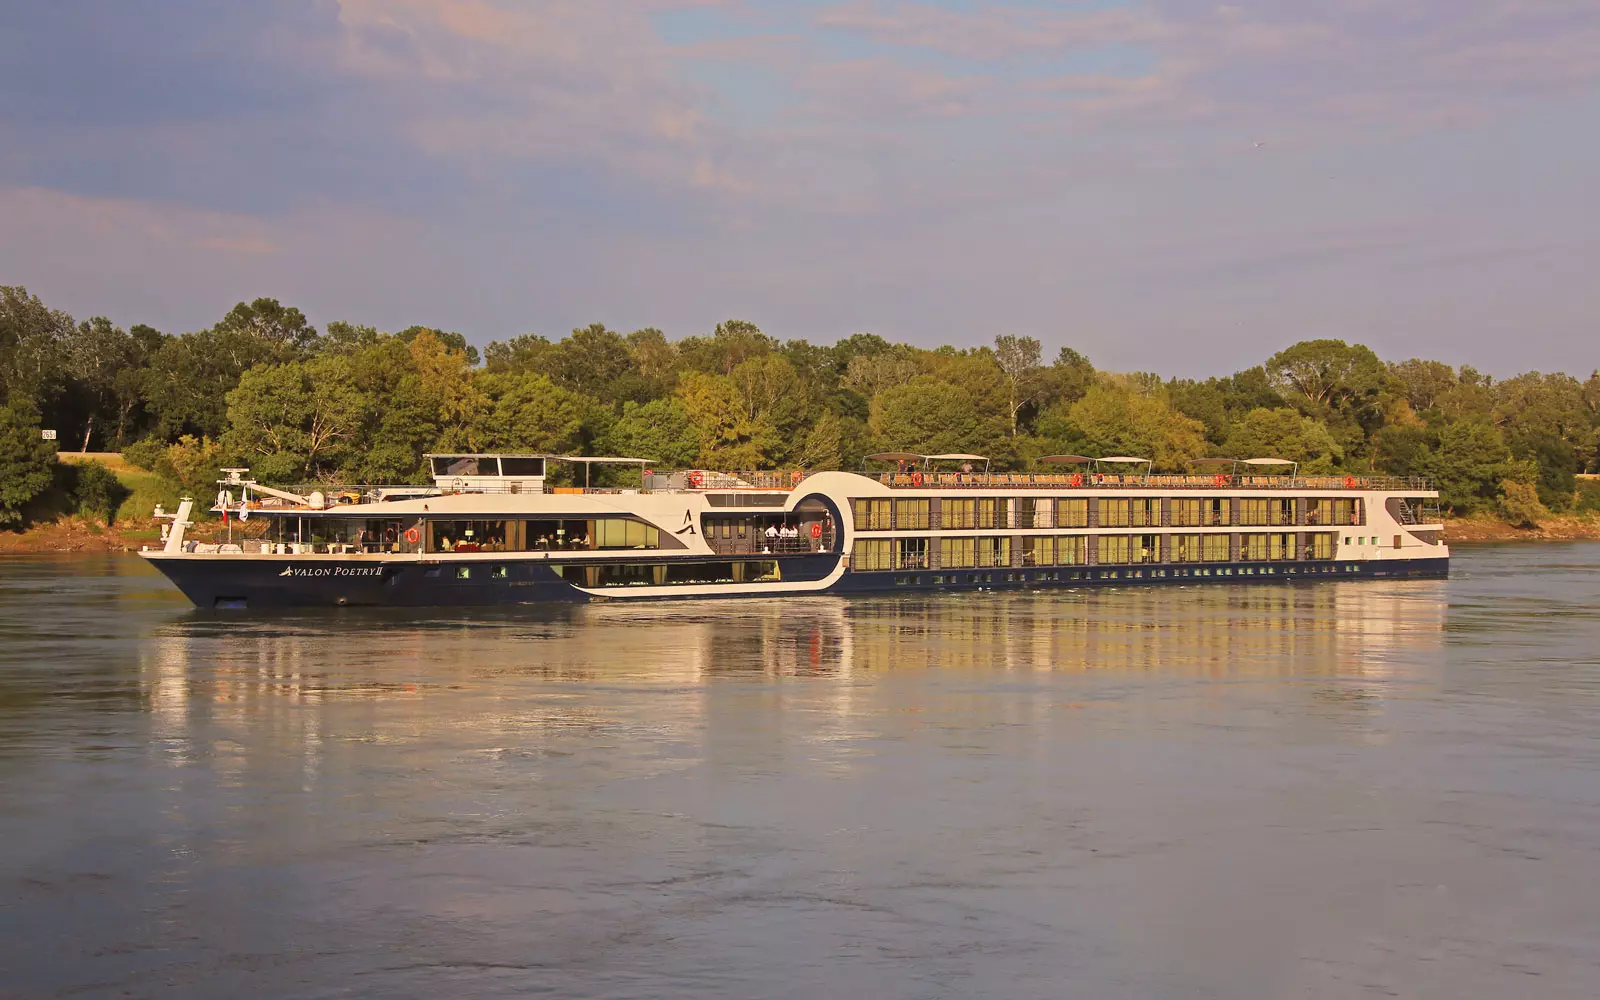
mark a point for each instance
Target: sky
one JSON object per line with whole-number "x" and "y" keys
{"x": 1168, "y": 185}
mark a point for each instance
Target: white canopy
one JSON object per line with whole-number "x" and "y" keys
{"x": 960, "y": 458}
{"x": 1266, "y": 461}
{"x": 1125, "y": 459}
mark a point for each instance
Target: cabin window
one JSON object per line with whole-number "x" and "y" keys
{"x": 1322, "y": 545}
{"x": 1145, "y": 549}
{"x": 873, "y": 515}
{"x": 1186, "y": 548}
{"x": 556, "y": 536}
{"x": 1332, "y": 512}
{"x": 994, "y": 552}
{"x": 958, "y": 513}
{"x": 870, "y": 554}
{"x": 1072, "y": 512}
{"x": 911, "y": 553}
{"x": 1114, "y": 548}
{"x": 991, "y": 514}
{"x": 1256, "y": 512}
{"x": 1038, "y": 551}
{"x": 911, "y": 515}
{"x": 1072, "y": 550}
{"x": 1030, "y": 513}
{"x": 958, "y": 553}
{"x": 1144, "y": 513}
{"x": 1114, "y": 514}
{"x": 1215, "y": 548}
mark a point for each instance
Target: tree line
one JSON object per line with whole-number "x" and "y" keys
{"x": 264, "y": 388}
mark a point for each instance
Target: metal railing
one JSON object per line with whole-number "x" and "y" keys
{"x": 1010, "y": 480}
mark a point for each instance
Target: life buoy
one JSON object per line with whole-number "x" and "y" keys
{"x": 1099, "y": 477}
{"x": 1077, "y": 479}
{"x": 916, "y": 479}
{"x": 412, "y": 534}
{"x": 816, "y": 530}
{"x": 1349, "y": 482}
{"x": 795, "y": 477}
{"x": 1219, "y": 480}
{"x": 695, "y": 479}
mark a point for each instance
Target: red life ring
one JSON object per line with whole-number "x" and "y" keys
{"x": 916, "y": 479}
{"x": 695, "y": 479}
{"x": 412, "y": 534}
{"x": 1077, "y": 479}
{"x": 1349, "y": 482}
{"x": 1219, "y": 480}
{"x": 1099, "y": 477}
{"x": 795, "y": 477}
{"x": 816, "y": 530}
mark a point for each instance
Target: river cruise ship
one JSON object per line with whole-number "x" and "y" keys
{"x": 489, "y": 530}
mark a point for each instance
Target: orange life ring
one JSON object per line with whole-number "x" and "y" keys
{"x": 695, "y": 479}
{"x": 1099, "y": 477}
{"x": 412, "y": 534}
{"x": 916, "y": 479}
{"x": 1077, "y": 479}
{"x": 1349, "y": 482}
{"x": 795, "y": 477}
{"x": 816, "y": 530}
{"x": 1219, "y": 480}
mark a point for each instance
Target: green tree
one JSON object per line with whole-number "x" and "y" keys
{"x": 26, "y": 461}
{"x": 926, "y": 415}
{"x": 31, "y": 346}
{"x": 1326, "y": 372}
{"x": 1467, "y": 461}
{"x": 659, "y": 430}
{"x": 1422, "y": 383}
{"x": 528, "y": 412}
{"x": 730, "y": 436}
{"x": 732, "y": 343}
{"x": 1285, "y": 433}
{"x": 271, "y": 321}
{"x": 1018, "y": 358}
{"x": 296, "y": 421}
{"x": 1117, "y": 422}
{"x": 1519, "y": 503}
{"x": 824, "y": 446}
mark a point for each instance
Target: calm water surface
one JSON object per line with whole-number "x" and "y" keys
{"x": 1325, "y": 790}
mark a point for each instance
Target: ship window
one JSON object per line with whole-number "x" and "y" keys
{"x": 455, "y": 465}
{"x": 958, "y": 513}
{"x": 994, "y": 551}
{"x": 1072, "y": 550}
{"x": 522, "y": 466}
{"x": 1214, "y": 548}
{"x": 1114, "y": 548}
{"x": 956, "y": 552}
{"x": 1114, "y": 513}
{"x": 463, "y": 572}
{"x": 498, "y": 573}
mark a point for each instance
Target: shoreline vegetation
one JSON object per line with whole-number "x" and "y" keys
{"x": 99, "y": 423}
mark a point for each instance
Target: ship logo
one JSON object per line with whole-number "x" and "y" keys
{"x": 287, "y": 571}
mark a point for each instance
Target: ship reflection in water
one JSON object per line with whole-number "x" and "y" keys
{"x": 1321, "y": 790}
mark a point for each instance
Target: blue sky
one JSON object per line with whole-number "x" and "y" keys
{"x": 937, "y": 172}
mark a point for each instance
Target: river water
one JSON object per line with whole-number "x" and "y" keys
{"x": 1342, "y": 789}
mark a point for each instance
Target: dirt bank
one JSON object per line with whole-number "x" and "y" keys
{"x": 1569, "y": 528}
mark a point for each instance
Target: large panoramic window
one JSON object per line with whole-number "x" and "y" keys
{"x": 625, "y": 533}
{"x": 1256, "y": 512}
{"x": 1333, "y": 512}
{"x": 1204, "y": 513}
{"x": 467, "y": 536}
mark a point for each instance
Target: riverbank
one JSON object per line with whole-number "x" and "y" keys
{"x": 1562, "y": 528}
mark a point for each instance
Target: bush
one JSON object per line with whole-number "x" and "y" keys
{"x": 98, "y": 491}
{"x": 1519, "y": 503}
{"x": 148, "y": 454}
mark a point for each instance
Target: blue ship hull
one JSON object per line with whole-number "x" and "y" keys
{"x": 222, "y": 583}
